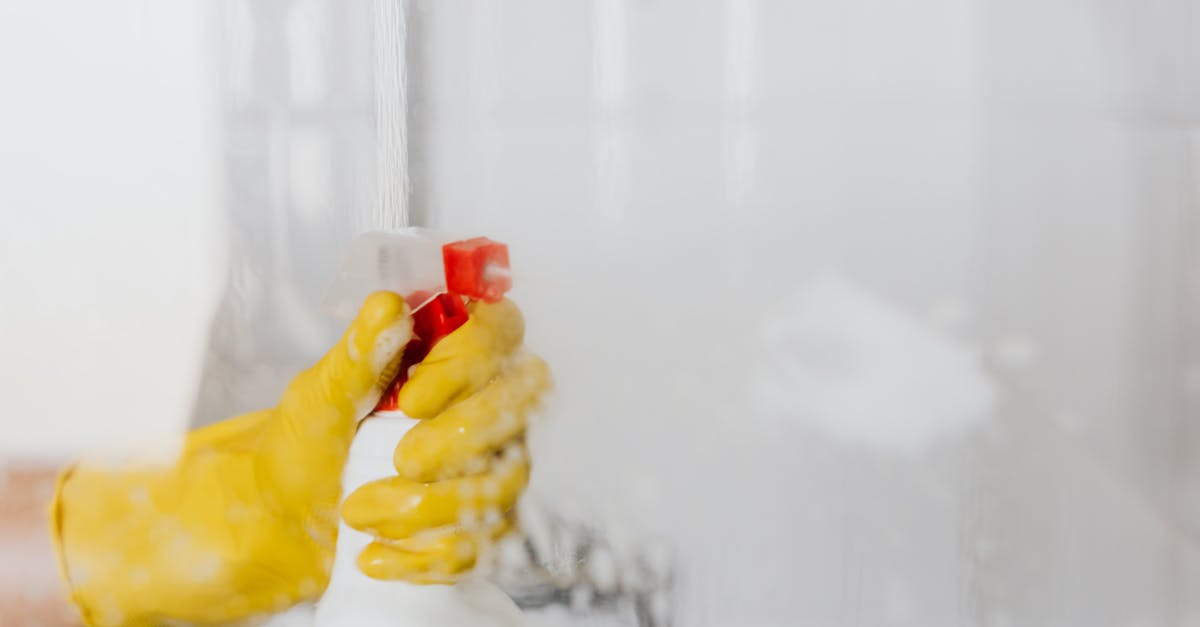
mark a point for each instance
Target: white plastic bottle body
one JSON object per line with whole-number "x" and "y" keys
{"x": 355, "y": 599}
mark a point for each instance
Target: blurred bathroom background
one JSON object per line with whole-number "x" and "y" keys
{"x": 862, "y": 313}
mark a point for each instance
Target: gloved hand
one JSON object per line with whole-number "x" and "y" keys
{"x": 242, "y": 521}
{"x": 463, "y": 467}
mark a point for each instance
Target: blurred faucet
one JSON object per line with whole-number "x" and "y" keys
{"x": 551, "y": 561}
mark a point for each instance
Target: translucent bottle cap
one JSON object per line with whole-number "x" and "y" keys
{"x": 402, "y": 261}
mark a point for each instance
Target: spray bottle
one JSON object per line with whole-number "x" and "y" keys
{"x": 435, "y": 275}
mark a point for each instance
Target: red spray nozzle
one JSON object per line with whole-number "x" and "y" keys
{"x": 477, "y": 268}
{"x": 474, "y": 268}
{"x": 436, "y": 315}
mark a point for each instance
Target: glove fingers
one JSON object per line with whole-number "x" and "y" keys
{"x": 456, "y": 442}
{"x": 437, "y": 565}
{"x": 349, "y": 379}
{"x": 464, "y": 361}
{"x": 432, "y": 557}
{"x": 396, "y": 507}
{"x": 436, "y": 539}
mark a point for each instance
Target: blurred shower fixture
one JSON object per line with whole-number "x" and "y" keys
{"x": 551, "y": 561}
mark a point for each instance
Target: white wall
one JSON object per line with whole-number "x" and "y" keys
{"x": 978, "y": 420}
{"x": 109, "y": 211}
{"x": 877, "y": 314}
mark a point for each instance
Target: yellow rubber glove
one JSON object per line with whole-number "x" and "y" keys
{"x": 463, "y": 467}
{"x": 243, "y": 521}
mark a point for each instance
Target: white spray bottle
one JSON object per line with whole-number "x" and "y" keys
{"x": 433, "y": 273}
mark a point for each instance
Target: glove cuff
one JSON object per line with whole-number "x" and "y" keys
{"x": 56, "y": 518}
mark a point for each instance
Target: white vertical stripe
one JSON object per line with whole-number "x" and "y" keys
{"x": 238, "y": 30}
{"x": 483, "y": 91}
{"x": 741, "y": 51}
{"x": 307, "y": 49}
{"x": 391, "y": 116}
{"x": 610, "y": 51}
{"x": 610, "y": 69}
{"x": 740, "y": 56}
